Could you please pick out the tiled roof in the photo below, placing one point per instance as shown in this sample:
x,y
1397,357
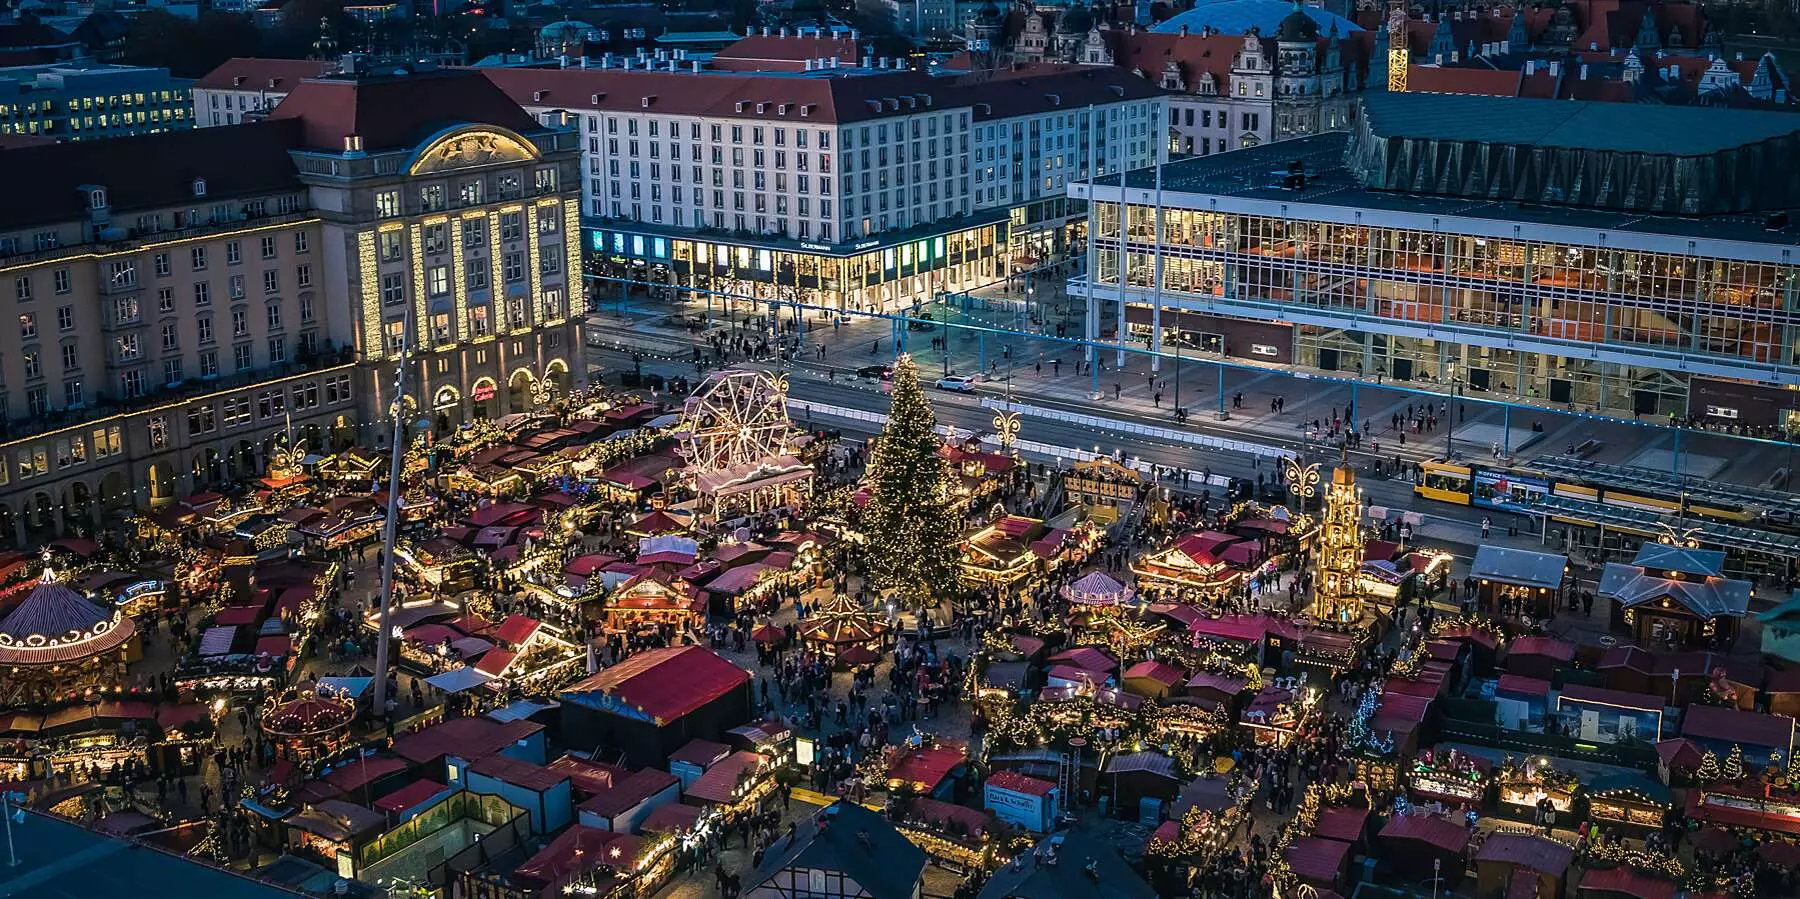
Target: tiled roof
x,y
666,684
251,73
146,171
774,53
398,110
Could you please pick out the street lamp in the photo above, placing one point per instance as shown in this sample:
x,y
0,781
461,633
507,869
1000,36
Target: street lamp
x,y
1450,414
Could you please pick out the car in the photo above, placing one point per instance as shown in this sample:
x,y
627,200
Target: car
x,y
876,372
958,383
920,324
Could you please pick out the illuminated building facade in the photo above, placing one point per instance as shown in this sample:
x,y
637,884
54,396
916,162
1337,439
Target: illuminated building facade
x,y
83,101
859,188
186,300
1417,252
450,222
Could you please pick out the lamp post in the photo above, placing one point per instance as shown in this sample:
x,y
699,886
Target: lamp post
x,y
1450,414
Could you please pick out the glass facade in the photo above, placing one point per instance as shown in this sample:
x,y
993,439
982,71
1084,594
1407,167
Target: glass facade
x,y
886,277
1511,318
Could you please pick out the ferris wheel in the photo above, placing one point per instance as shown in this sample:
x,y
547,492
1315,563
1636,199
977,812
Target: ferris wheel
x,y
737,417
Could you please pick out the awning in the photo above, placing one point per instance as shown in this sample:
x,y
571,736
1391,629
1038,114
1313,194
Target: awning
x,y
458,680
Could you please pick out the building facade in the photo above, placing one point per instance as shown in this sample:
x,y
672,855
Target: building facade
x,y
248,86
82,101
1670,293
186,301
866,188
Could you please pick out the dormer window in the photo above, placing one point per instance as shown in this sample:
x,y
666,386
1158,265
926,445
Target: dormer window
x,y
199,187
96,198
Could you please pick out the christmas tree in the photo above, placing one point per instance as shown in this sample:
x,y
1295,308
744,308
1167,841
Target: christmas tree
x,y
1709,767
909,525
1734,762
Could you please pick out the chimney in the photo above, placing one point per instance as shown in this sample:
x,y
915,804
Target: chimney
x,y
1584,71
808,65
1530,67
1555,68
834,62
696,65
867,60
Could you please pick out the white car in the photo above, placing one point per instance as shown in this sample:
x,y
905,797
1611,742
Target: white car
x,y
958,383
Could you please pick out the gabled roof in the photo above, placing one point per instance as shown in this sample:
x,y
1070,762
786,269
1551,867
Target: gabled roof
x,y
1534,852
1033,876
668,683
1708,722
784,53
860,843
468,738
629,792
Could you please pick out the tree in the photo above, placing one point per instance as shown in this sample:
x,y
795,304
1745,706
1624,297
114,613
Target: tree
x,y
1709,767
909,524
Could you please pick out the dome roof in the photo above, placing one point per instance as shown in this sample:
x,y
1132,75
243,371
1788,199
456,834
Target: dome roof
x,y
1298,27
1239,16
566,30
305,712
55,624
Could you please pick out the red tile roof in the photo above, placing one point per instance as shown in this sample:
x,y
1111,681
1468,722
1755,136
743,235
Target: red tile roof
x,y
249,73
1459,80
669,683
774,53
394,111
719,783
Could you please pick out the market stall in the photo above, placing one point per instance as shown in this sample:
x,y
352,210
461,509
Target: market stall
x,y
1515,583
1449,776
1629,801
1532,785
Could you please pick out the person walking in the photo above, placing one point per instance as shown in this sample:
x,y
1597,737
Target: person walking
x,y
1486,524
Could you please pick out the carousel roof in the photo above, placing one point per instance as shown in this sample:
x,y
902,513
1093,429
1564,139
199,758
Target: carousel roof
x,y
842,619
54,624
1097,588
307,712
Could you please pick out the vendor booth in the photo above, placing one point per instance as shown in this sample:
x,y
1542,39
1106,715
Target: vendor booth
x,y
1518,583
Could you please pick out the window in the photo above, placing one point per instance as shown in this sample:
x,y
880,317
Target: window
x,y
437,280
71,357
125,311
549,264
475,277
128,348
553,302
171,336
172,373
337,389
470,194
395,330
277,350
37,402
303,276
431,197
235,286
267,246
165,299
390,246
511,227
27,325
548,223
241,357
234,252
544,179
440,330
236,411
478,320
202,293
131,383
205,328
71,451
274,315
393,289
301,242
474,234
513,267
240,323
435,240
161,264
111,441
271,281
201,420
515,313
124,274
209,364
306,396
197,258
306,309
387,204
60,280
509,185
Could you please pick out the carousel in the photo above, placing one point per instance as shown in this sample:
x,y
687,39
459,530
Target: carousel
x,y
1098,589
308,723
56,642
843,629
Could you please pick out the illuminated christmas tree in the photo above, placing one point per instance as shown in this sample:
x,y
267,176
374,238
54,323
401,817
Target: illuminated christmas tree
x,y
909,523
1709,767
1734,762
